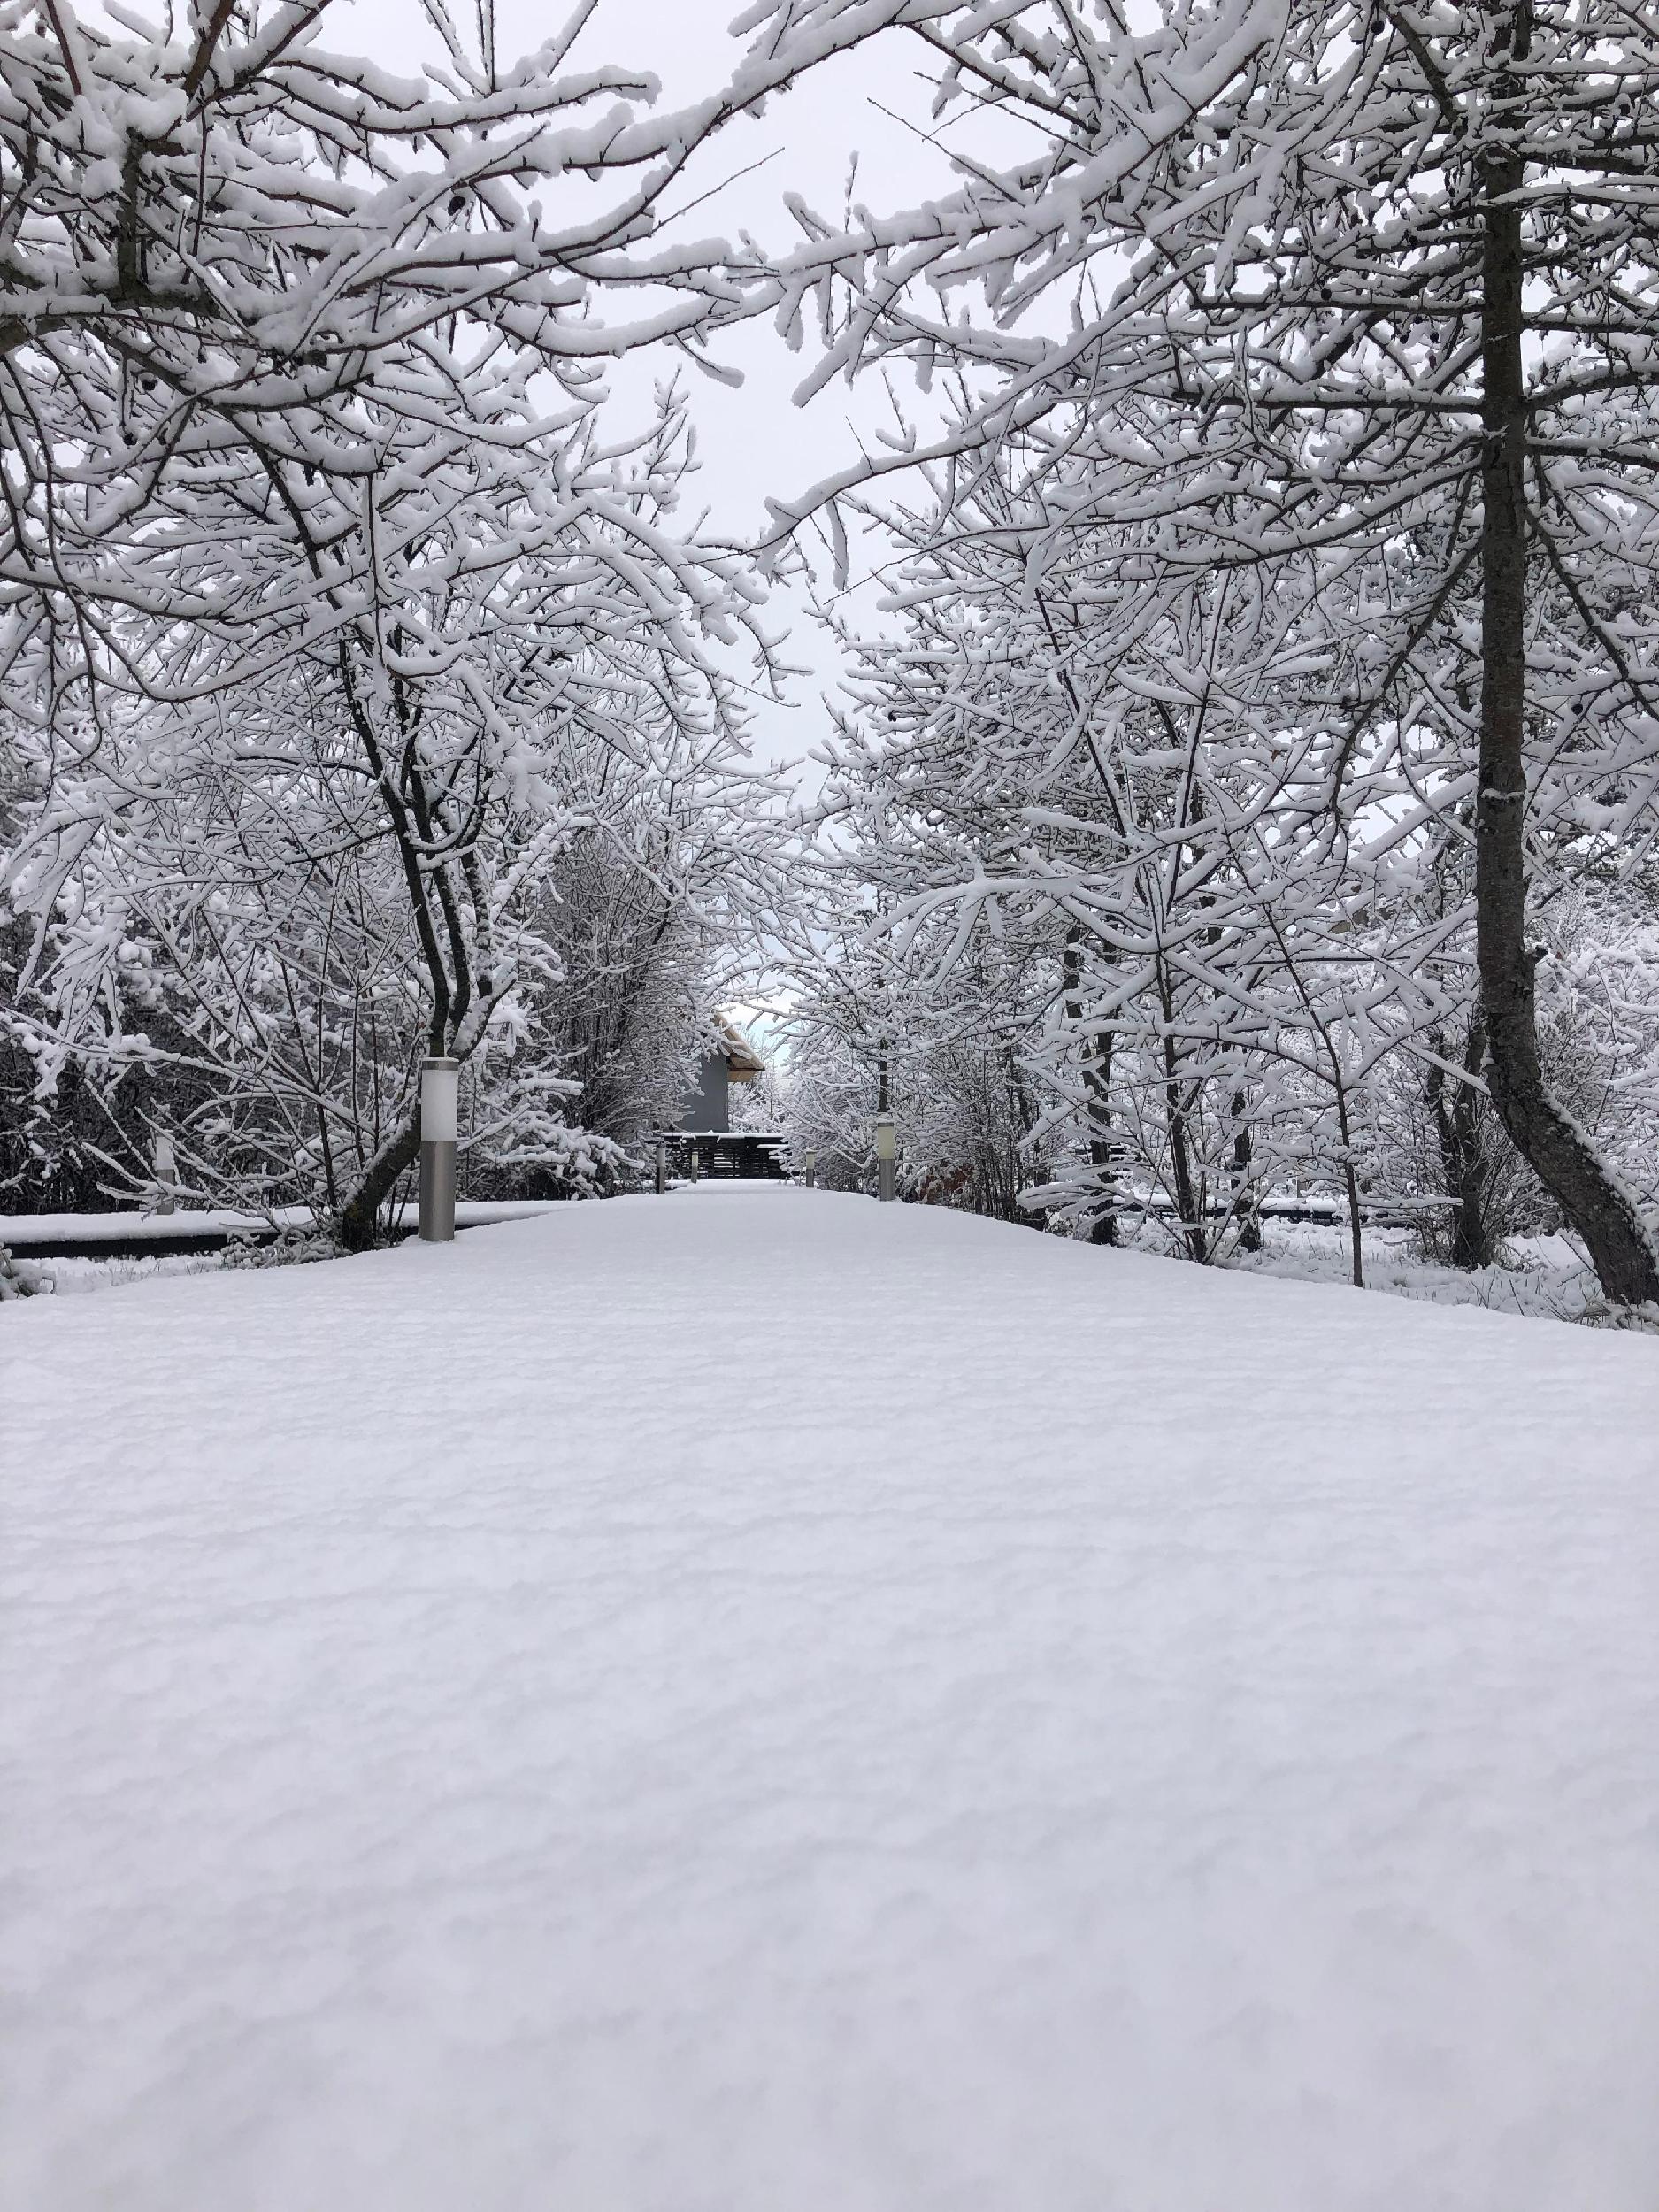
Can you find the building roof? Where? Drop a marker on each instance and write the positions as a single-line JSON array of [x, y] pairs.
[[741, 1059]]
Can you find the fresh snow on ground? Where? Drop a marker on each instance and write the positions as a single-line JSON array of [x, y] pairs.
[[1546, 1275], [757, 1701]]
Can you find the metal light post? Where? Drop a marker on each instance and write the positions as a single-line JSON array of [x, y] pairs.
[[809, 1165], [662, 1166], [166, 1174], [439, 1113], [694, 1160], [886, 1154]]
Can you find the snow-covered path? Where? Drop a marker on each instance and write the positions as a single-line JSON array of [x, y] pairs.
[[754, 1702]]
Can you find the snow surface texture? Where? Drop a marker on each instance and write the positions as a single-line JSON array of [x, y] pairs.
[[755, 1701]]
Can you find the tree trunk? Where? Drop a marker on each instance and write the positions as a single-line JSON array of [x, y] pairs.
[[1350, 1181], [1025, 1112], [1463, 1160], [360, 1218], [1097, 1080], [1176, 1111], [1103, 1150], [1180, 1162], [1559, 1153], [1246, 1208]]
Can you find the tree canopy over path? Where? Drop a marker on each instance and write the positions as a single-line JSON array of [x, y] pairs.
[[1253, 775], [705, 1702]]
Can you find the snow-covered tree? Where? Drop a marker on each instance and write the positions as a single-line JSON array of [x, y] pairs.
[[318, 876], [1359, 296], [335, 619]]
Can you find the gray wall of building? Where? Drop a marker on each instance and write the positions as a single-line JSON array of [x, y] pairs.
[[710, 1105]]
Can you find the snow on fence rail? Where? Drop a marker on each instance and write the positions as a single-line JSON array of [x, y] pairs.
[[123, 1235]]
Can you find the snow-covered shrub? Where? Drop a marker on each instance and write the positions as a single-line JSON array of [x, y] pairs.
[[18, 1278], [292, 1248]]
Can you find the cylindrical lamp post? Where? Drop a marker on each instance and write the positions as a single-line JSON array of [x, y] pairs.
[[662, 1166], [809, 1166], [440, 1115], [694, 1159], [166, 1174], [886, 1154]]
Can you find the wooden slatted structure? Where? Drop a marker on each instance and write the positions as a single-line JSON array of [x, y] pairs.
[[727, 1155]]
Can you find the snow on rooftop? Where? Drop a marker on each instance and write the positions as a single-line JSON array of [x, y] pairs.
[[1096, 1733]]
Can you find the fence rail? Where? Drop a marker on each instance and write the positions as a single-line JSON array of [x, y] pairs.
[[131, 1236]]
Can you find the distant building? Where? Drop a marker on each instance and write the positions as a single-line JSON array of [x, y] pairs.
[[733, 1060]]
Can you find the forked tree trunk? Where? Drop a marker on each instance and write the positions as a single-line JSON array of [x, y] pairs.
[[1553, 1145]]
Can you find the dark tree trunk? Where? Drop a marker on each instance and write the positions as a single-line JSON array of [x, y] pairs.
[[1546, 1138], [1176, 1111], [1247, 1212], [360, 1218], [1350, 1180], [1463, 1160], [1103, 1150], [1180, 1162], [1097, 1080]]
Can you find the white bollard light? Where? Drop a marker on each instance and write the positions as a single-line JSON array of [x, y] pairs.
[[440, 1115], [886, 1154], [662, 1166], [166, 1174], [809, 1163]]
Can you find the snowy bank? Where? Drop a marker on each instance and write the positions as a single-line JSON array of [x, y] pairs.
[[754, 1702]]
